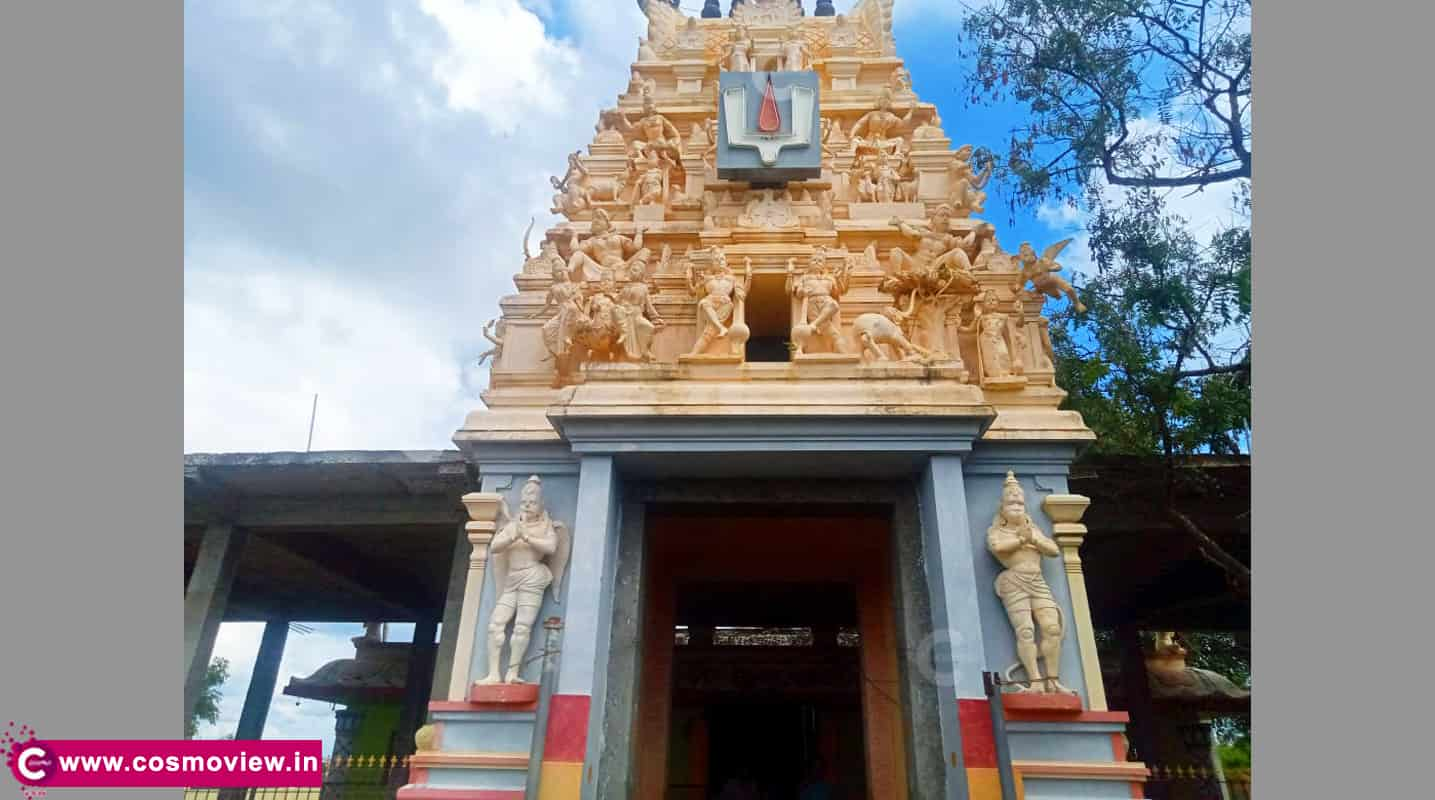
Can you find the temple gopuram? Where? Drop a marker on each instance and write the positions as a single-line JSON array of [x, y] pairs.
[[771, 492], [774, 371]]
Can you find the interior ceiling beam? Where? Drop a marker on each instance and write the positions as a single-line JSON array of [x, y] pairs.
[[347, 511], [350, 578], [342, 560]]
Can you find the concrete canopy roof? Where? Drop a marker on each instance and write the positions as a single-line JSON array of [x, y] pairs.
[[333, 536]]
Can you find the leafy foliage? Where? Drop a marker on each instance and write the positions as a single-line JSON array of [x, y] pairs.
[[1096, 75], [1160, 362], [207, 708]]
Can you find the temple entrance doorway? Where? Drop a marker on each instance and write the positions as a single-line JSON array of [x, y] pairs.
[[769, 655]]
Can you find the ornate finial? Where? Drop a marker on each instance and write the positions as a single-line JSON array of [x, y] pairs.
[[1012, 486]]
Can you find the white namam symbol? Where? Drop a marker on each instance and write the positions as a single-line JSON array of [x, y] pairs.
[[768, 145]]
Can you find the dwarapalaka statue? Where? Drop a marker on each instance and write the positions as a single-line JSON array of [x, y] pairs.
[[1020, 545], [529, 553]]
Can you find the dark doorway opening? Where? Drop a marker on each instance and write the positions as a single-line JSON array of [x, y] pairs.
[[766, 691]]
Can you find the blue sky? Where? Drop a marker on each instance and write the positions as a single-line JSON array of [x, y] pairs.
[[357, 179]]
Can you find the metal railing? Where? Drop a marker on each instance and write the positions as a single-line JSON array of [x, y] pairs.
[[352, 777], [1196, 782]]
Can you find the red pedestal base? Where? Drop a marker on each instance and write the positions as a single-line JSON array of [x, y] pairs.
[[504, 694], [1042, 702]]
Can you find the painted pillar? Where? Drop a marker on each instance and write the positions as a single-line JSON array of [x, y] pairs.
[[261, 682], [1065, 511], [574, 739], [957, 652], [483, 520], [204, 601], [453, 607]]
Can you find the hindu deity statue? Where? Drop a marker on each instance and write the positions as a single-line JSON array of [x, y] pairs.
[[1020, 546], [528, 554]]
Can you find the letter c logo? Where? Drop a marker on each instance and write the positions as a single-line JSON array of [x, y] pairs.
[[26, 757]]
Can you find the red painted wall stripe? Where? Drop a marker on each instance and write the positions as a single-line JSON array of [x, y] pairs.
[[979, 749], [567, 735]]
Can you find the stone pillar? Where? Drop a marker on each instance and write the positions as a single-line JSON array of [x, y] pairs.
[[483, 517], [1065, 511], [261, 682], [346, 722], [417, 684], [582, 667], [453, 607], [204, 603], [1136, 686], [957, 652]]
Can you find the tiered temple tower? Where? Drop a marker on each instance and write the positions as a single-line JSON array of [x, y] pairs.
[[773, 345]]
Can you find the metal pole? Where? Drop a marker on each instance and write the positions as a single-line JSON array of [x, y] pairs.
[[313, 412], [553, 628], [992, 683]]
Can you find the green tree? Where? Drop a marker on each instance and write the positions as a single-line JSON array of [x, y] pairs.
[[1129, 101], [207, 707]]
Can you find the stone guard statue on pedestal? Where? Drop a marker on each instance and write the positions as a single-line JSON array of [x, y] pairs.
[[1020, 545], [529, 553]]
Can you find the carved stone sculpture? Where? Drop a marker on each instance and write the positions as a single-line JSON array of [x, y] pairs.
[[843, 34], [767, 12], [691, 36], [604, 248], [495, 352], [966, 185], [794, 50], [1000, 359], [1020, 546], [873, 330], [649, 175], [547, 259], [901, 81], [579, 188], [723, 330], [528, 554], [739, 57], [877, 128], [817, 324], [563, 332], [937, 246], [765, 210], [637, 319], [1041, 272], [656, 131], [931, 129]]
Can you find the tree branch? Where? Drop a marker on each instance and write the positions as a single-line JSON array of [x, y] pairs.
[[1226, 370], [1238, 574]]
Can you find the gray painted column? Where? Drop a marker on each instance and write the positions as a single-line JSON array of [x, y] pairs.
[[261, 681], [417, 684], [204, 602], [957, 652], [452, 609], [588, 605]]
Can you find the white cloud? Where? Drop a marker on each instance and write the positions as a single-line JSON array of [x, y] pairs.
[[262, 340], [500, 62]]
